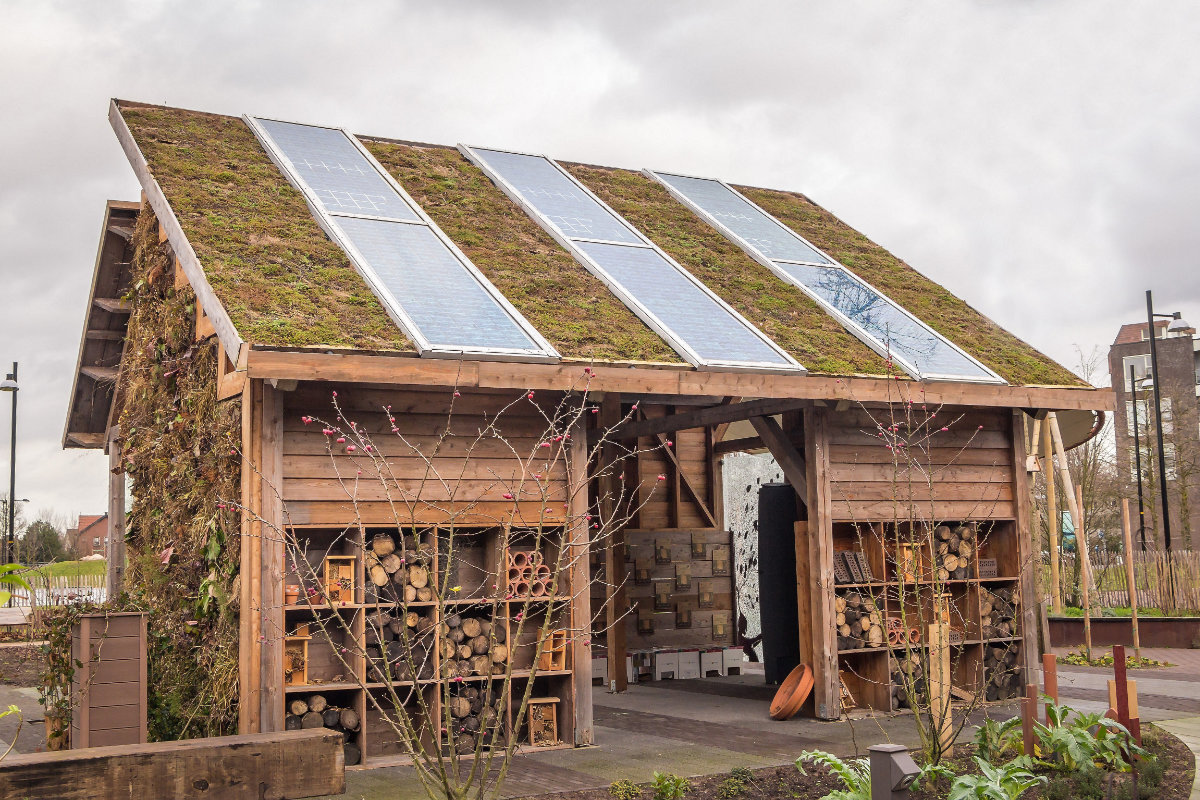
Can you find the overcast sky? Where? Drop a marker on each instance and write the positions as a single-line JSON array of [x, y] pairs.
[[1040, 159]]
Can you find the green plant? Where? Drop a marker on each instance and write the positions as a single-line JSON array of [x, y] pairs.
[[1074, 741], [995, 739], [742, 774], [735, 785], [854, 774], [624, 790], [1005, 782], [20, 721], [1079, 658], [10, 579], [668, 786]]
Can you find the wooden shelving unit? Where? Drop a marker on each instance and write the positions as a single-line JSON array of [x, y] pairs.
[[866, 671], [474, 571]]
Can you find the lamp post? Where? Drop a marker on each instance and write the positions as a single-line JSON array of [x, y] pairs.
[[9, 384], [1137, 456], [1176, 324]]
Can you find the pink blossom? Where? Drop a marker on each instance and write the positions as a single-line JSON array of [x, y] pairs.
[[335, 393], [530, 395], [233, 452], [595, 525], [507, 496], [221, 506], [341, 440], [457, 394], [544, 444], [587, 370], [306, 420], [945, 429], [368, 448], [595, 411], [662, 477], [979, 428], [587, 642], [670, 443], [350, 448], [327, 431], [537, 476], [634, 408]]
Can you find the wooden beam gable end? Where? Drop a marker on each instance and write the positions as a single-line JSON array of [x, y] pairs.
[[790, 460], [638, 380]]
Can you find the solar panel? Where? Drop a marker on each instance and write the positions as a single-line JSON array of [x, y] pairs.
[[699, 325], [434, 293], [877, 320]]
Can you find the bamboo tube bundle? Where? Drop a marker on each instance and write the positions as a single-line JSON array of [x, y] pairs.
[[1002, 672], [315, 711], [859, 622]]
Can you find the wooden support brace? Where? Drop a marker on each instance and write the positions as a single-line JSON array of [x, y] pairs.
[[1028, 717], [1050, 679]]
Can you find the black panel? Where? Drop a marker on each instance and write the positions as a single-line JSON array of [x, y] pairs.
[[777, 579]]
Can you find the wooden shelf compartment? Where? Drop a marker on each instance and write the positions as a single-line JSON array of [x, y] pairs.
[[380, 739], [556, 685]]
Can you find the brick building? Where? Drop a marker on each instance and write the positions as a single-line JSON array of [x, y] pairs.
[[1179, 370], [89, 536]]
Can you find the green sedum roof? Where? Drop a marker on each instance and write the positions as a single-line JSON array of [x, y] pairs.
[[285, 284]]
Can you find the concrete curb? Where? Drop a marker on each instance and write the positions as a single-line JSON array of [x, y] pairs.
[[1188, 731]]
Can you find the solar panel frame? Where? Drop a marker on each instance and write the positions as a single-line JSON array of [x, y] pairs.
[[543, 350], [863, 335], [651, 319]]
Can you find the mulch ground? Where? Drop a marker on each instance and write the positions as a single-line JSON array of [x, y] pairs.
[[786, 783], [20, 665]]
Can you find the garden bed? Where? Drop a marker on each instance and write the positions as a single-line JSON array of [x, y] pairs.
[[21, 664], [1178, 632]]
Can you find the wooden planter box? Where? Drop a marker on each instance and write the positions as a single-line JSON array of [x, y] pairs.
[[108, 692], [1180, 632]]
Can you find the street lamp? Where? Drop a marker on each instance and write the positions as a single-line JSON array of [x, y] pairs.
[[9, 384], [1176, 325]]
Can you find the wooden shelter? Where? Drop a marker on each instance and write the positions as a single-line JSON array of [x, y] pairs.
[[282, 297]]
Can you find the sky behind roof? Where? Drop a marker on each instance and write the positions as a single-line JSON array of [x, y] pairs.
[[1041, 160]]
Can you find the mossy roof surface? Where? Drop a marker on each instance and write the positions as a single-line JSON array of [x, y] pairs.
[[566, 303], [781, 311], [1011, 358], [281, 280]]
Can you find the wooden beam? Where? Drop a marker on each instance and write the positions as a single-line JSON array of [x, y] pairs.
[[272, 558], [713, 415], [306, 763], [579, 570], [682, 481], [104, 335], [790, 460], [120, 230], [742, 445], [113, 305], [616, 604], [88, 440], [99, 373], [826, 683], [398, 369], [116, 514]]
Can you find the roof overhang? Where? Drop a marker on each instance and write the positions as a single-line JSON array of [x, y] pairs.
[[103, 339]]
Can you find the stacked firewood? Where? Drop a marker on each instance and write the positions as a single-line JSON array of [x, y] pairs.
[[996, 612], [859, 621], [902, 685], [475, 714], [401, 642], [407, 569], [1001, 671], [472, 645], [954, 549], [314, 711]]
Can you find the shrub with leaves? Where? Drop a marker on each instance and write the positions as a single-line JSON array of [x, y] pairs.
[[668, 786], [994, 740], [1073, 741], [1005, 782], [624, 790], [855, 774]]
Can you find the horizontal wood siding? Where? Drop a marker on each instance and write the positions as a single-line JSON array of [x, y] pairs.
[[493, 448], [962, 472]]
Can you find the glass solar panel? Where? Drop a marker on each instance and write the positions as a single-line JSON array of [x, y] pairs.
[[557, 197], [444, 304], [698, 324], [336, 171], [443, 300], [880, 318], [712, 332], [744, 220], [877, 320]]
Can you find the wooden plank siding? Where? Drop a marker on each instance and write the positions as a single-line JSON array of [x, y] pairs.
[[962, 473], [492, 449]]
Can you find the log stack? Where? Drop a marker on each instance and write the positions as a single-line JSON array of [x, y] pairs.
[[859, 621], [476, 717], [471, 646], [315, 711], [406, 569], [997, 609], [902, 686], [401, 643], [1001, 671], [954, 552]]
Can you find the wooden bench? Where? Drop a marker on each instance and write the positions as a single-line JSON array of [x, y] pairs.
[[293, 764]]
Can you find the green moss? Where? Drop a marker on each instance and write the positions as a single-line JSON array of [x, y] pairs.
[[566, 303], [253, 233], [1011, 358], [780, 310]]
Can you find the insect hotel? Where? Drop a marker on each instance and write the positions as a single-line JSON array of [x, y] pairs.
[[377, 398]]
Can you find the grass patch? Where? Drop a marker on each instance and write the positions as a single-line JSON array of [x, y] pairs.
[[1079, 658], [73, 568]]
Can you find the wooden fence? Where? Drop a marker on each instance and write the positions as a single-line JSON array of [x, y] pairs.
[[1169, 581]]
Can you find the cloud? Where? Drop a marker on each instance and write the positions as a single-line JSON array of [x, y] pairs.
[[1039, 159]]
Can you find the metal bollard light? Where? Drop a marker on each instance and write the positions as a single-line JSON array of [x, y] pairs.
[[892, 771]]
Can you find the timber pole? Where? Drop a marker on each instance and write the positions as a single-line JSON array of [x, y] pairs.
[[1085, 574], [1052, 521], [1130, 578]]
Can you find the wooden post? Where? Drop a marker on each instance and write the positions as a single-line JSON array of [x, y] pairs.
[[580, 584], [826, 683], [1052, 520], [1026, 551], [1130, 578], [1028, 717], [1073, 497], [1050, 679], [249, 620], [272, 548], [614, 554], [1120, 678], [939, 684], [1085, 573], [115, 546]]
